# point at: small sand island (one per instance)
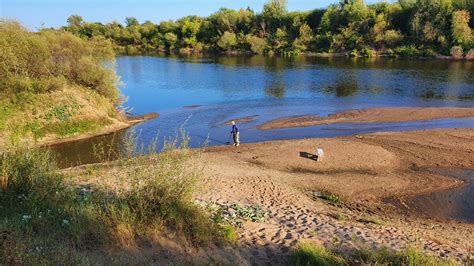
(372, 115)
(241, 120)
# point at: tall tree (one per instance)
(131, 21)
(461, 32)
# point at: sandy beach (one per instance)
(371, 115)
(361, 170)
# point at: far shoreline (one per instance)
(377, 55)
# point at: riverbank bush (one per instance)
(54, 83)
(48, 218)
(341, 27)
(310, 254)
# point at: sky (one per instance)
(54, 13)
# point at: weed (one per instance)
(373, 220)
(341, 217)
(354, 238)
(325, 195)
(308, 254)
(229, 233)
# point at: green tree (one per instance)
(189, 29)
(304, 39)
(227, 41)
(272, 16)
(75, 23)
(171, 40)
(257, 45)
(461, 32)
(430, 22)
(131, 21)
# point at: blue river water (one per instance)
(200, 93)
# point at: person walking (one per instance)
(235, 134)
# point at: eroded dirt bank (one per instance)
(372, 115)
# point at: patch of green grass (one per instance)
(372, 220)
(354, 238)
(69, 127)
(308, 254)
(340, 217)
(409, 256)
(327, 196)
(6, 111)
(332, 198)
(229, 233)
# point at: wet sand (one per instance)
(362, 170)
(241, 120)
(372, 115)
(142, 118)
(192, 106)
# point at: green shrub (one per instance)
(428, 52)
(354, 53)
(407, 51)
(229, 233)
(456, 52)
(367, 52)
(390, 53)
(48, 60)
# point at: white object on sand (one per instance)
(319, 154)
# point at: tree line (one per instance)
(406, 27)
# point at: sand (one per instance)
(142, 118)
(372, 115)
(362, 170)
(241, 120)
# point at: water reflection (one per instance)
(97, 149)
(345, 86)
(161, 83)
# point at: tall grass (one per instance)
(52, 219)
(309, 254)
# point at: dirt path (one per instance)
(362, 170)
(371, 115)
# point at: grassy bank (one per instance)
(54, 85)
(49, 217)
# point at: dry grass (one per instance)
(53, 219)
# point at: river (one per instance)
(201, 93)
